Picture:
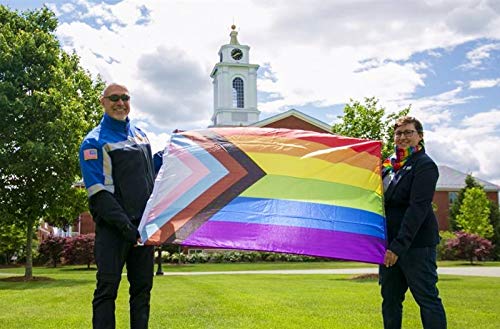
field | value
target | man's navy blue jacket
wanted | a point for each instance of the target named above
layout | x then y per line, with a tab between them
411	222
118	171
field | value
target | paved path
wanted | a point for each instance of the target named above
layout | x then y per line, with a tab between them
462	270
471	271
467	271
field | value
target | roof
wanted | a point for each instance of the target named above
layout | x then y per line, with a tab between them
297	114
453	180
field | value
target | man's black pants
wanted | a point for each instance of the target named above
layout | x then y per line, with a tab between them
417	270
111	253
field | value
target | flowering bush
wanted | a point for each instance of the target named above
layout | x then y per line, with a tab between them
51	249
468	246
80	250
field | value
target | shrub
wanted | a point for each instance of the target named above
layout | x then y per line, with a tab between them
79	250
216	257
236	256
51	249
198	257
232	257
165	256
444	253
178	258
251	256
469	246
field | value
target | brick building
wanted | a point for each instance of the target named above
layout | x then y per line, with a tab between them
293	119
449	183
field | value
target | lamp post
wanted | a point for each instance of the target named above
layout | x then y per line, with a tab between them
159	270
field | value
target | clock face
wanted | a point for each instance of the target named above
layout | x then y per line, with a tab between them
236	54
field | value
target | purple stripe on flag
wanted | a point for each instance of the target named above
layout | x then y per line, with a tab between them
289	239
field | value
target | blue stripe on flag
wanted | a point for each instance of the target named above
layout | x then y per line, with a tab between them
302	214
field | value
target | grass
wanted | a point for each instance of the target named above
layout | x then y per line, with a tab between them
241	301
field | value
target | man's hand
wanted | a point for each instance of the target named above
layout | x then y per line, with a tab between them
390	258
138	243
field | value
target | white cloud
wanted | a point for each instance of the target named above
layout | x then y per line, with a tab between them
478	55
67	7
476	84
433	110
487	120
466	152
470	18
469	147
388	29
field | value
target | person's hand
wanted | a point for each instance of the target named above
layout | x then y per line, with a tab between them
138	243
390	258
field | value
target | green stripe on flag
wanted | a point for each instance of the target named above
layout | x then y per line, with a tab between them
310	190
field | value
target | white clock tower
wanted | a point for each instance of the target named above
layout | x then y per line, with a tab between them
235	86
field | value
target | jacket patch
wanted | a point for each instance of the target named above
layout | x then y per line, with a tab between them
90	154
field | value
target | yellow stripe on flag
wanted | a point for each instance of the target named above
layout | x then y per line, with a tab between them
313	168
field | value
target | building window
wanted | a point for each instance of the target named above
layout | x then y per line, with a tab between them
452	196
238	94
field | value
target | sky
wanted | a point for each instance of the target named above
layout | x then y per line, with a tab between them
441	57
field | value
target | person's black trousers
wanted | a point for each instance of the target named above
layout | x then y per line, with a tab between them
111	253
417	270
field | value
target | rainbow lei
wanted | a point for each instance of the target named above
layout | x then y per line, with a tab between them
399	157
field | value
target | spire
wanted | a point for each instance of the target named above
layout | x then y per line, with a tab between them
234	34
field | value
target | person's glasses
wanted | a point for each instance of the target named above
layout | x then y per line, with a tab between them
116	98
407	133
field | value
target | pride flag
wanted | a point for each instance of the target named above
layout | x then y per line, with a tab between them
265	189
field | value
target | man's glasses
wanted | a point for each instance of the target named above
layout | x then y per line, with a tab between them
407	133
116	98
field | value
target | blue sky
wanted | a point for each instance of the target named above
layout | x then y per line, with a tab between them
440	57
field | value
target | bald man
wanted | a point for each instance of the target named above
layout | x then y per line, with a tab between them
118	171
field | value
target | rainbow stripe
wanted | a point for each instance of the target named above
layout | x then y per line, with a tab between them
274	190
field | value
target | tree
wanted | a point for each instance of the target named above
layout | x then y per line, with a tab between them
48	104
495	222
80	250
51	249
474	213
470	182
11	242
494	217
369	121
68	207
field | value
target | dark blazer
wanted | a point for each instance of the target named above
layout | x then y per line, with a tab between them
411	222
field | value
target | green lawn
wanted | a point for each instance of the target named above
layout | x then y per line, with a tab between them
241	301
